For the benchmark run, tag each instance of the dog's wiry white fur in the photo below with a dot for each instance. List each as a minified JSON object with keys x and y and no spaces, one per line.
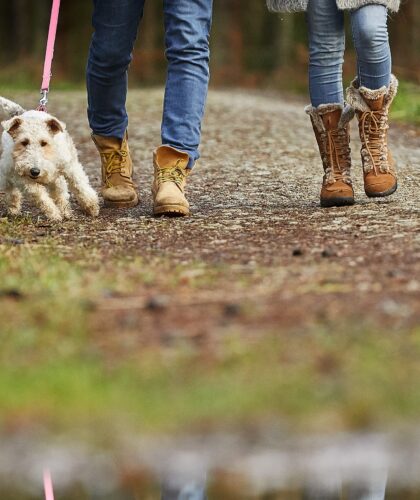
{"x":37,"y":140}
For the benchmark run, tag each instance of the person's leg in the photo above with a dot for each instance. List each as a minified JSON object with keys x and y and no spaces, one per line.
{"x":187,"y":25}
{"x":329,"y":117}
{"x":371,"y":95}
{"x":371,"y":40}
{"x":326,"y":52}
{"x":116,"y":23}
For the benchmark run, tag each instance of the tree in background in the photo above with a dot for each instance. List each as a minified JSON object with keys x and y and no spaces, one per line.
{"x":250,"y":46}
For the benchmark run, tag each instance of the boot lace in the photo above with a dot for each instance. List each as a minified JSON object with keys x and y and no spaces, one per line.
{"x":373,"y":131}
{"x":172,"y":174}
{"x":114,"y":163}
{"x":337,"y":156}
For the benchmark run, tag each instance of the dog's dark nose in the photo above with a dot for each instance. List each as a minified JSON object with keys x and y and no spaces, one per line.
{"x":35,"y":172}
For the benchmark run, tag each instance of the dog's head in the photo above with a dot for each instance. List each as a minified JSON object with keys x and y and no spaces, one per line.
{"x":34,"y":151}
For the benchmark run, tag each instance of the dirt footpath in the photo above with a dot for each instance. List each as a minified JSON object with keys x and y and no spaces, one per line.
{"x":256,"y":219}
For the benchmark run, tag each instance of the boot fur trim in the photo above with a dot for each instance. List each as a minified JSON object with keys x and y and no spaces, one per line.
{"x":323,"y":109}
{"x":356,"y":95}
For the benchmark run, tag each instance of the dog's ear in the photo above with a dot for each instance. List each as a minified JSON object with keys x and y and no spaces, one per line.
{"x":55,"y":126}
{"x":12,"y":126}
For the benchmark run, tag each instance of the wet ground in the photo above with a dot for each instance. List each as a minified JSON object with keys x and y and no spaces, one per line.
{"x":271,"y":465}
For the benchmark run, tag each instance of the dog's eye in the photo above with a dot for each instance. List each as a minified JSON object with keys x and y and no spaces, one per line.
{"x":25,"y":143}
{"x":43,"y":143}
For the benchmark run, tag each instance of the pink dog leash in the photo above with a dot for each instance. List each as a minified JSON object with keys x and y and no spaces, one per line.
{"x":48,"y":486}
{"x":49,"y":55}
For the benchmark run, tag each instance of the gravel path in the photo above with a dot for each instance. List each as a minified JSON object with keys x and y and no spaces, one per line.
{"x":254,"y":197}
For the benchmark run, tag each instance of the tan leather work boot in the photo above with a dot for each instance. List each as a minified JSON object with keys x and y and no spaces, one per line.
{"x":372,"y":110}
{"x":331,"y":125}
{"x":171,"y":172}
{"x":118,"y":189}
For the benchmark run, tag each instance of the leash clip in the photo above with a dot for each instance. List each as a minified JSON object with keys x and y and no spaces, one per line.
{"x":44,"y":100}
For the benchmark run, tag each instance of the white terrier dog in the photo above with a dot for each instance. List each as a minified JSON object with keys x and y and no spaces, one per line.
{"x":39,"y":158}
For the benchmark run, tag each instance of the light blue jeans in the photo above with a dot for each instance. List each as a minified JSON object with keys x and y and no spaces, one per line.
{"x":187,"y":33}
{"x":327,"y":45}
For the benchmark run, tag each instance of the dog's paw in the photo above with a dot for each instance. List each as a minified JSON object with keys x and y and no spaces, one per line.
{"x":13,"y":211}
{"x":54,"y":216}
{"x":93,"y":211}
{"x":91,"y":207}
{"x":67,"y":212}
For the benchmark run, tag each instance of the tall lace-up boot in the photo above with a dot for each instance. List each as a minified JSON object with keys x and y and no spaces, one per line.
{"x":171,"y":172}
{"x":372,"y":110}
{"x":331,"y":124}
{"x":118,"y":189}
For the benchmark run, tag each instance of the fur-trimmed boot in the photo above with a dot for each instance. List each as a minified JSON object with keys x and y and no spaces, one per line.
{"x":331,"y":123}
{"x":118,"y":189}
{"x":171,"y":172}
{"x":372,"y":110}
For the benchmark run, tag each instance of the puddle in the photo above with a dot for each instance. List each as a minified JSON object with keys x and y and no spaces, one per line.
{"x":268,"y":465}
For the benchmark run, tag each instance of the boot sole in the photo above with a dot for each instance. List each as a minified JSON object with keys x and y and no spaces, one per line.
{"x":171,"y":211}
{"x":121,"y":204}
{"x":337,"y":202}
{"x":383,"y":194}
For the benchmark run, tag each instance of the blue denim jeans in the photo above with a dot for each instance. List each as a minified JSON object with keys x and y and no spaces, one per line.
{"x":327,"y":45}
{"x":187,"y":28}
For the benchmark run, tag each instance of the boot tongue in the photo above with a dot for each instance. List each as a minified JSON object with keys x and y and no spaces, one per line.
{"x":332,"y":119}
{"x":168,"y":157}
{"x":375,"y":104}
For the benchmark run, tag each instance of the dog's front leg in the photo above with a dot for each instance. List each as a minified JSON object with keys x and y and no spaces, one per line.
{"x":79,"y":185}
{"x":41,"y":197}
{"x":61,"y":196}
{"x":13,"y":200}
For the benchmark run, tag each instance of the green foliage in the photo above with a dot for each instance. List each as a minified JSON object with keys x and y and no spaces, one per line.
{"x":407,"y":103}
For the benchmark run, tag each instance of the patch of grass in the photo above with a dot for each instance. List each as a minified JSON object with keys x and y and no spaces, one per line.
{"x":407,"y":103}
{"x":25,"y":76}
{"x":372,"y":384}
{"x":53,"y":371}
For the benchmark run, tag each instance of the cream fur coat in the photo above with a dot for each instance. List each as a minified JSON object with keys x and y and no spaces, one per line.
{"x":296,"y":5}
